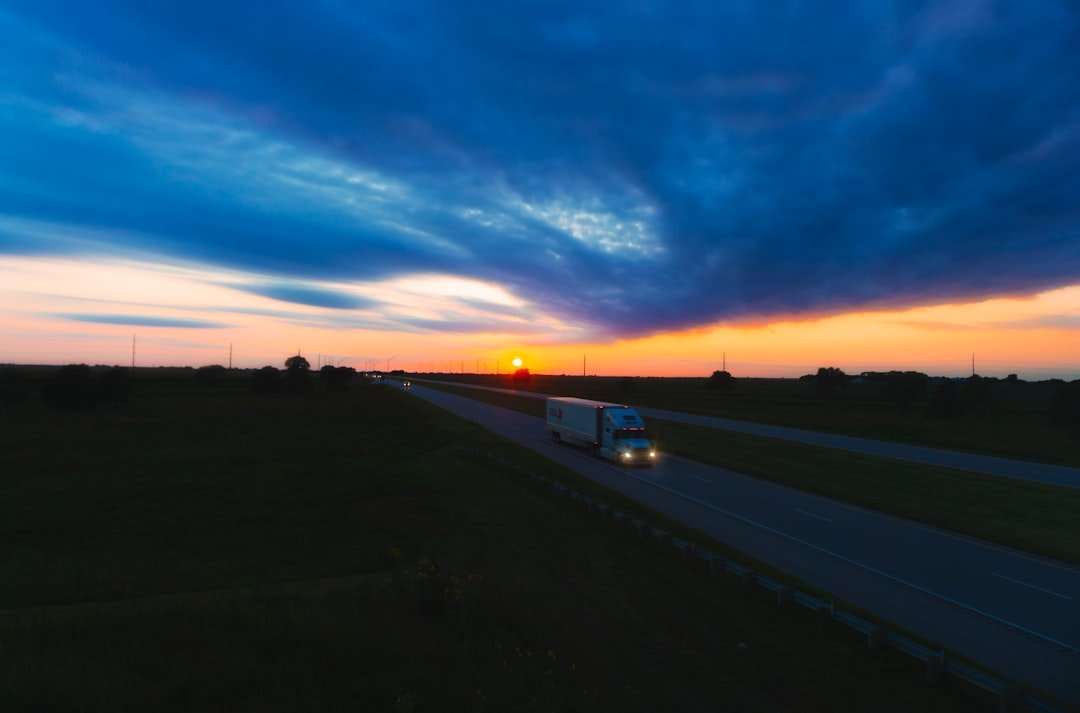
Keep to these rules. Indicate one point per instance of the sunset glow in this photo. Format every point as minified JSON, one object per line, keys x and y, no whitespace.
{"x":60,"y":311}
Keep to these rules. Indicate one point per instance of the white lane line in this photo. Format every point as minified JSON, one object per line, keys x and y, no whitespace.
{"x":1031,"y":586}
{"x":810,"y":514}
{"x":703,"y":480}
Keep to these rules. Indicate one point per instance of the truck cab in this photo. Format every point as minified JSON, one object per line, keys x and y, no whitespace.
{"x":625,"y":439}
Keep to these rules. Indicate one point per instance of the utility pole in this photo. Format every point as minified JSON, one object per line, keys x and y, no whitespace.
{"x":230,"y":356}
{"x":132,"y":351}
{"x":388,"y":363}
{"x":725,"y":361}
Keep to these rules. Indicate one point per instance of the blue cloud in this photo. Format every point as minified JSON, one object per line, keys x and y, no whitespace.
{"x":628,"y":168}
{"x":136,"y":320}
{"x":313,"y":296}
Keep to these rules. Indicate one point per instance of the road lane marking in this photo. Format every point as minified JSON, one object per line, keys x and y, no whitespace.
{"x":698,"y":477}
{"x":810,"y":514}
{"x":1031,"y":586}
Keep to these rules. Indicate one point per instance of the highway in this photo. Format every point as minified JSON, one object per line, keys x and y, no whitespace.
{"x":1016,"y":613}
{"x":989,"y":465}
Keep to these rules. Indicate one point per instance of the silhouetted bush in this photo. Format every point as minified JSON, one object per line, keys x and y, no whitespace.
{"x":72,"y":387}
{"x":975,"y":393}
{"x":12,"y":388}
{"x":297,"y":374}
{"x":211,"y":375}
{"x":1065,"y":406}
{"x":829,"y":380}
{"x":114,"y":387}
{"x":721,"y":381}
{"x":522,"y":376}
{"x":336,"y":378}
{"x":266,"y":381}
{"x":945,"y":401}
{"x":902,"y":388}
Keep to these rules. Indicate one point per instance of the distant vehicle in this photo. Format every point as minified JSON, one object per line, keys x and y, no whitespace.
{"x":613,"y":431}
{"x":406,"y":384}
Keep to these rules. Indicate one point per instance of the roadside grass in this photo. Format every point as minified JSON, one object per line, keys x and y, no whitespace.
{"x":212,"y":551}
{"x":1014,"y":423}
{"x":1034,"y":517}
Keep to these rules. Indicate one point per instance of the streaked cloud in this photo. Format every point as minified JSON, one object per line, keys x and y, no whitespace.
{"x":137,"y":320}
{"x":308,"y":295}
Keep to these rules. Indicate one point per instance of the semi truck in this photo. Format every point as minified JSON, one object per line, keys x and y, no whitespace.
{"x":613,"y":431}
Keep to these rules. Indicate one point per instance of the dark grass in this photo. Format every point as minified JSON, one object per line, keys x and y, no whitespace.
{"x":1013,"y":423}
{"x":1034,"y":517}
{"x":214,"y":551}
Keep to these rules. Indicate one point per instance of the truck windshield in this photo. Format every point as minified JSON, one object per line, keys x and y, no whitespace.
{"x":632,"y":433}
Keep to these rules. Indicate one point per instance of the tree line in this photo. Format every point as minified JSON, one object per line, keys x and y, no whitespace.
{"x":949,"y":399}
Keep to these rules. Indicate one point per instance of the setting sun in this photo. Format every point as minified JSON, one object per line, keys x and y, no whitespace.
{"x":517,"y":362}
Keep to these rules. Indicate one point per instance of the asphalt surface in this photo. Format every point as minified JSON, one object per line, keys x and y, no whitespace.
{"x":989,"y":465}
{"x":1016,"y":613}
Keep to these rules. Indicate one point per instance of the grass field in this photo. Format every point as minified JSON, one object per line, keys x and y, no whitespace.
{"x":1013,"y":423}
{"x":1034,"y":517}
{"x":206,"y":549}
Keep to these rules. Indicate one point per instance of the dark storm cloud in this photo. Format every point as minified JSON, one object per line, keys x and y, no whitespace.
{"x":627,"y":168}
{"x":137,"y":320}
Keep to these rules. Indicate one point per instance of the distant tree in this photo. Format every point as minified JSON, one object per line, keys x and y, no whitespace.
{"x":1012,"y":379}
{"x":114,"y":385}
{"x":266,"y":381}
{"x":945,"y":401}
{"x":211,"y":375}
{"x":71,"y":387}
{"x":297,"y":363}
{"x":721,"y":381}
{"x":1065,"y":406}
{"x":902,"y":388}
{"x":297,"y":374}
{"x":830,"y":379}
{"x":522,"y":376}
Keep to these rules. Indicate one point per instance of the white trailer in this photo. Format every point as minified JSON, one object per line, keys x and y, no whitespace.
{"x":613,"y":431}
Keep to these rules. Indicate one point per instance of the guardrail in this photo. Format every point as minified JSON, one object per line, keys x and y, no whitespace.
{"x":1010,"y":697}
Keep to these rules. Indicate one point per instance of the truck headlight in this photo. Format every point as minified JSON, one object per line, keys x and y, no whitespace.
{"x":652,"y":454}
{"x":626,"y":454}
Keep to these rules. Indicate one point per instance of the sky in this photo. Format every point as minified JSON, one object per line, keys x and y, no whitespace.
{"x":653,"y":188}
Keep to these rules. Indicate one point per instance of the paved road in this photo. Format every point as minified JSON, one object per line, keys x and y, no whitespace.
{"x":990,"y":465}
{"x":1018,"y":614}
